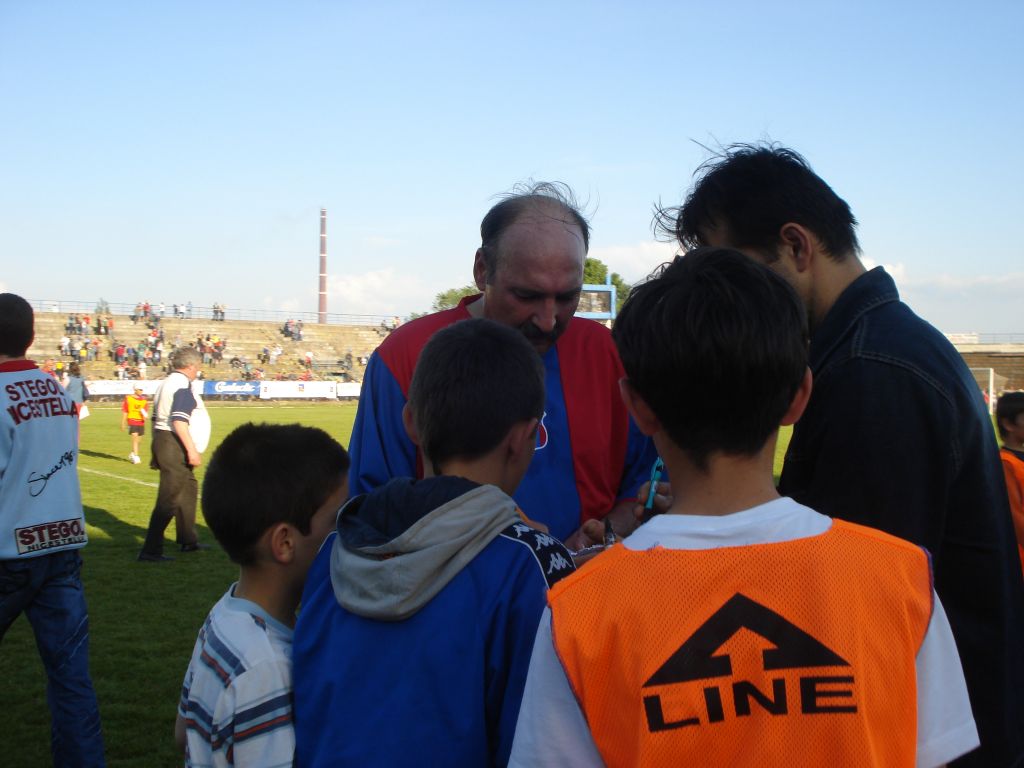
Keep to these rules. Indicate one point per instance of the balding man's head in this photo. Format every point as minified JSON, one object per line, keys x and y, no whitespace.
{"x":542,"y":200}
{"x":530,"y":263}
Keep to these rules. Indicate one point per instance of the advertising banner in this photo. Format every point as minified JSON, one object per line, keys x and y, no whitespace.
{"x":265,"y":390}
{"x":225,"y":388}
{"x":118,"y":387}
{"x":298,"y":389}
{"x":349,"y":388}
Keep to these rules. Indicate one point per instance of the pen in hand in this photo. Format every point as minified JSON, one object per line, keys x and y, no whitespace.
{"x":656,"y":470}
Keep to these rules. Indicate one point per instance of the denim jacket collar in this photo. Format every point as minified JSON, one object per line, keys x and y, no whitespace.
{"x":872,"y":289}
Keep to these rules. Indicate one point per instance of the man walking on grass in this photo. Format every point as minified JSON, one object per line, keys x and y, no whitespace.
{"x":181,"y":431}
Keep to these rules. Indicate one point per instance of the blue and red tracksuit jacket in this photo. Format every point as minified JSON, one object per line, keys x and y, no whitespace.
{"x":589,"y":453}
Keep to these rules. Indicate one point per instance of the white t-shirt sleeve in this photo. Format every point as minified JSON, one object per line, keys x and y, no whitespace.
{"x":945,"y":724}
{"x":551,"y":730}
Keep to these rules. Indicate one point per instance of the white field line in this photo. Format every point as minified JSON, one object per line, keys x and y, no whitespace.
{"x":117,"y":477}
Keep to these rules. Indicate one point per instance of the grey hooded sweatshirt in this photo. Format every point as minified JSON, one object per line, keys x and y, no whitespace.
{"x":401,"y":545}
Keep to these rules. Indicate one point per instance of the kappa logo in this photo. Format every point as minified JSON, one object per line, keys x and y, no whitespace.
{"x":698,"y":660}
{"x":550,"y":554}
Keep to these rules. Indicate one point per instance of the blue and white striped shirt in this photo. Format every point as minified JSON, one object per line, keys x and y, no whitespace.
{"x":236,"y":698}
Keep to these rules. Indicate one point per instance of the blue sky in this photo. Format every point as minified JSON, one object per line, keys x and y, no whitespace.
{"x":182,"y":151}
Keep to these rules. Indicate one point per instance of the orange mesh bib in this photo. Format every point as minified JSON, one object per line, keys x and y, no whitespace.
{"x":1013,"y":471}
{"x":798,"y":653}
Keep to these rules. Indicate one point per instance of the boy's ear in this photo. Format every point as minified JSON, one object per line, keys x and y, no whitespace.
{"x":800,"y":243}
{"x":796,"y":408}
{"x":638,"y":408}
{"x":522,"y":438}
{"x":281,"y":540}
{"x":520,"y":441}
{"x":410,"y":425}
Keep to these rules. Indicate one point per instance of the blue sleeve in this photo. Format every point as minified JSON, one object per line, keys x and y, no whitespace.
{"x":182,"y":405}
{"x":379,"y":449}
{"x":640,"y":456}
{"x":508,"y":658}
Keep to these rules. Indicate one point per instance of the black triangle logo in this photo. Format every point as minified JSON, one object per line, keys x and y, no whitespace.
{"x":696,"y":659}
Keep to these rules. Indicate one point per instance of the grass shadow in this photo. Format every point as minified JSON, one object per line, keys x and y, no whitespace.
{"x":99,"y":454}
{"x":121,"y":533}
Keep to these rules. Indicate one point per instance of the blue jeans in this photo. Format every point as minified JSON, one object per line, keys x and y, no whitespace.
{"x":48,"y":589}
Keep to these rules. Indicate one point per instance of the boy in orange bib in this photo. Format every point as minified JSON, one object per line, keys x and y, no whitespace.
{"x":1010,"y":422}
{"x":741,"y":628}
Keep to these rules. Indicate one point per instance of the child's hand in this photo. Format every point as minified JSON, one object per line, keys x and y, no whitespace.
{"x":662,"y":500}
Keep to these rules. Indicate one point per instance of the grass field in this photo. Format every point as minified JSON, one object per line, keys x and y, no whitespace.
{"x":143,"y":616}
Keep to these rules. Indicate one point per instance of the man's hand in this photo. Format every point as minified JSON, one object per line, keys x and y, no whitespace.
{"x":591,"y":532}
{"x":624,"y":517}
{"x":193,"y":457}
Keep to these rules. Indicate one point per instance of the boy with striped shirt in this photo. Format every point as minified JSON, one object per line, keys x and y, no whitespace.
{"x":270,"y":497}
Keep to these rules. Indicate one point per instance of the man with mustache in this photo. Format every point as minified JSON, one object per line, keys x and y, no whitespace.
{"x":590,"y":458}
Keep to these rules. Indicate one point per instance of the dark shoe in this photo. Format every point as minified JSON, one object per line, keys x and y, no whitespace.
{"x":194,"y":547}
{"x":145,"y":557}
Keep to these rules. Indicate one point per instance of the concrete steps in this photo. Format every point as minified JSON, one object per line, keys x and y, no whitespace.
{"x":245,"y":339}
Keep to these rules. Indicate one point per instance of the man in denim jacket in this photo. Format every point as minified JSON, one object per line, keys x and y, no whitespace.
{"x":896,"y":435}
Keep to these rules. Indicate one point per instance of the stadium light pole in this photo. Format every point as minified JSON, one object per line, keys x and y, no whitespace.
{"x":322,"y":309}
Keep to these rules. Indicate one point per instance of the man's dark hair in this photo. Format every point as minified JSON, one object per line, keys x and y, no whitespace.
{"x":1008,"y":407}
{"x":716,"y":344}
{"x":748,"y":192}
{"x":17,"y":325}
{"x":264,"y":474}
{"x":543,"y":198}
{"x":473,"y":382}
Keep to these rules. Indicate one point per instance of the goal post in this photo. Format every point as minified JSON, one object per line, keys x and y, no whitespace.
{"x":990,"y":383}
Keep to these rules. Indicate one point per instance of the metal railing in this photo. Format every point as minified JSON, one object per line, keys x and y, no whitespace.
{"x":334,"y":318}
{"x":967,"y":339}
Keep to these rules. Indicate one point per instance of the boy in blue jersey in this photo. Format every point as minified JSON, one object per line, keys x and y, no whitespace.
{"x":270,"y":496}
{"x":419,"y":614}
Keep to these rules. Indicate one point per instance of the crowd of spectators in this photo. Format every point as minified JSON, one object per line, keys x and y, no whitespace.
{"x":292,"y":329}
{"x":84,"y":324}
{"x":89,"y":337}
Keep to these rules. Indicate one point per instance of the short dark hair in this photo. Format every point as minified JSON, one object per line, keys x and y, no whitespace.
{"x":1008,"y":407}
{"x":17,"y":325}
{"x":264,"y":474}
{"x":716,"y":344}
{"x":752,"y":190}
{"x":534,"y":197}
{"x":473,"y":382}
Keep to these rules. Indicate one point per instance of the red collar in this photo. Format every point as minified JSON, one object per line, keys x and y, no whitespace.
{"x":17,"y":365}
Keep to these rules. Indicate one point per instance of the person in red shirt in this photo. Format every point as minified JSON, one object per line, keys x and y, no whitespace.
{"x":133,"y":418}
